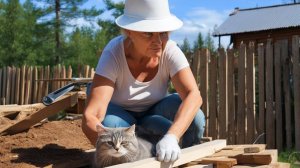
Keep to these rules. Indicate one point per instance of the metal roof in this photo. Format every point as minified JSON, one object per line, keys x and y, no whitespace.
{"x":259,"y":19}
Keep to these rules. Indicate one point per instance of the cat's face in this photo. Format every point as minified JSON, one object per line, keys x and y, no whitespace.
{"x":116,"y":142}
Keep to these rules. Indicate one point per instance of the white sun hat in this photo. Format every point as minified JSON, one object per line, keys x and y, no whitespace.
{"x":148,"y":16}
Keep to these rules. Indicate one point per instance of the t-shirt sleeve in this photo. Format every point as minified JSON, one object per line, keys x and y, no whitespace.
{"x":177,"y":60}
{"x":107,"y":66}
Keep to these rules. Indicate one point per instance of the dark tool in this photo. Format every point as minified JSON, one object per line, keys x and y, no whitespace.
{"x":77,"y":82}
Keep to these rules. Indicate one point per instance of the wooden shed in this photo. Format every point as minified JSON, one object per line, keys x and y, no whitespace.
{"x":259,"y":24}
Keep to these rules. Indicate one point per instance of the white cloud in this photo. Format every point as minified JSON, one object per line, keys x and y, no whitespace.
{"x":200,"y":20}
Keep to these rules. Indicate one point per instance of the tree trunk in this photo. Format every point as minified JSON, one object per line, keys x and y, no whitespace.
{"x":57,"y":31}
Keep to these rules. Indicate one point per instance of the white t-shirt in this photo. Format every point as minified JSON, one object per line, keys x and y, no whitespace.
{"x":130,"y":93}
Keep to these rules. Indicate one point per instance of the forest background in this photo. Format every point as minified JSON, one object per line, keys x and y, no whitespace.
{"x":37,"y":32}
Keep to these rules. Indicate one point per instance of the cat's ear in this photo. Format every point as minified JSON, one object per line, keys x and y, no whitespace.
{"x":131,"y":129}
{"x":100,"y":128}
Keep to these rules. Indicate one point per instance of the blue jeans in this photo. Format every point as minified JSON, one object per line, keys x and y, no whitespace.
{"x":157,"y":119}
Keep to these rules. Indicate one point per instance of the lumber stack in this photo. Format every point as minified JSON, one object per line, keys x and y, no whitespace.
{"x":241,"y":156}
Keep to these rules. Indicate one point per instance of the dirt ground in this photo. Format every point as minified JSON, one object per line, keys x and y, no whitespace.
{"x":51,"y":144}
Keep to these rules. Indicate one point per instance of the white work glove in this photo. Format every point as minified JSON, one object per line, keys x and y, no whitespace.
{"x":167,"y":149}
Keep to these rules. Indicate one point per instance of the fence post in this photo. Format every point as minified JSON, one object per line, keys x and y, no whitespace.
{"x":261,"y":131}
{"x":231,"y":103}
{"x":222,"y":117}
{"x":204,"y":55}
{"x":241,"y":96}
{"x":1,"y":80}
{"x":18,"y":78}
{"x":270,"y":117}
{"x":296,"y":71}
{"x":278,"y":95}
{"x":213,"y":132}
{"x":250,"y":91}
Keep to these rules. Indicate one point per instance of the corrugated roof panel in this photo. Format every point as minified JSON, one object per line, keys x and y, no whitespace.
{"x":258,"y":19}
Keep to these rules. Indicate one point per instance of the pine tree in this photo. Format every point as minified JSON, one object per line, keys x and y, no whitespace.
{"x":63,"y":11}
{"x":186,"y":47}
{"x":209,"y":42}
{"x":109,"y":29}
{"x":199,"y":43}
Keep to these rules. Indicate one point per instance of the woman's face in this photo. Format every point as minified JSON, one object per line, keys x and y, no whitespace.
{"x":150,"y":44}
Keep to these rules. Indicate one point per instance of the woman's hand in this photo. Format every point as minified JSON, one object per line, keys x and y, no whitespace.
{"x":167,"y":149}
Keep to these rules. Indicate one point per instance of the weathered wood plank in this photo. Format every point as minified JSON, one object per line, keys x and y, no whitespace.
{"x":212,"y":127}
{"x":13,"y":85}
{"x":64,"y":102}
{"x":18,"y":83}
{"x":204,"y":55}
{"x":222,"y":112}
{"x":22,"y":88}
{"x":231,"y":103}
{"x":270,"y":117}
{"x":296,"y":73}
{"x":285,"y":59}
{"x":261,"y":93}
{"x":278,"y":95}
{"x":262,"y":158}
{"x":250,"y":95}
{"x":187,"y":155}
{"x":241,"y":96}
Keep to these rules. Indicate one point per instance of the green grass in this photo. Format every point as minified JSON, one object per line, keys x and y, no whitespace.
{"x":290,"y":156}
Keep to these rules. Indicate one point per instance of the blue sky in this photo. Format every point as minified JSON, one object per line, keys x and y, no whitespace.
{"x":201,"y":15}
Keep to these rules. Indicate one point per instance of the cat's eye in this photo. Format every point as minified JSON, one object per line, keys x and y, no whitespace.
{"x":124,"y":143}
{"x":110,"y":143}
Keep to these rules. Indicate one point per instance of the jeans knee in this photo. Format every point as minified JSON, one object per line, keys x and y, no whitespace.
{"x":113,"y":121}
{"x":198,"y":124}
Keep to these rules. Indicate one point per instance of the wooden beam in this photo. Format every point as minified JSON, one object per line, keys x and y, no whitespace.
{"x":219,"y":162}
{"x":247,"y":148}
{"x":262,"y":158}
{"x":187,"y":155}
{"x":273,"y":165}
{"x":64,"y":102}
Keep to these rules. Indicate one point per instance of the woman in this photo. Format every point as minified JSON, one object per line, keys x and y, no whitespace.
{"x":132,"y":77}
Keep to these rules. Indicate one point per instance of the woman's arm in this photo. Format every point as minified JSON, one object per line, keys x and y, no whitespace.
{"x":185,"y":84}
{"x":100,"y":96}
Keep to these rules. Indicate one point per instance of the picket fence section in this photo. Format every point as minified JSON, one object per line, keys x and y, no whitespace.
{"x":28,"y":84}
{"x":252,"y":94}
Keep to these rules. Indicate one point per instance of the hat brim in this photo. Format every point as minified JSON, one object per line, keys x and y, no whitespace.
{"x":151,"y":25}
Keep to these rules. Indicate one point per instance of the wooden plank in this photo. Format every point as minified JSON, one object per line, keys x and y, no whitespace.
{"x":18,"y":83}
{"x":45,"y":88}
{"x":4,"y":85}
{"x":261,"y":94}
{"x":272,"y":165}
{"x":246,"y":147}
{"x":296,"y":75}
{"x":35,"y":84}
{"x":22,"y":88}
{"x":219,"y":162}
{"x":212,"y":127}
{"x":64,"y":102}
{"x":250,"y":97}
{"x":222,"y":112}
{"x":195,"y":65}
{"x":1,"y":81}
{"x":287,"y":93}
{"x":278,"y":95}
{"x":8,"y":85}
{"x":199,"y":166}
{"x":230,"y":96}
{"x":262,"y":158}
{"x":13,"y":85}
{"x":27,"y":85}
{"x":270,"y":117}
{"x":40,"y":84}
{"x":10,"y":108}
{"x":204,"y":54}
{"x":187,"y":155}
{"x":241,"y":96}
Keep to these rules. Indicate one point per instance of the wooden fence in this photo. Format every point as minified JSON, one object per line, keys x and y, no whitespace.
{"x":252,"y":93}
{"x":249,"y":95}
{"x":27,"y":84}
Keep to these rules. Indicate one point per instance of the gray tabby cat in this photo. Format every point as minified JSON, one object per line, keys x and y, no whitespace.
{"x":120,"y":145}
